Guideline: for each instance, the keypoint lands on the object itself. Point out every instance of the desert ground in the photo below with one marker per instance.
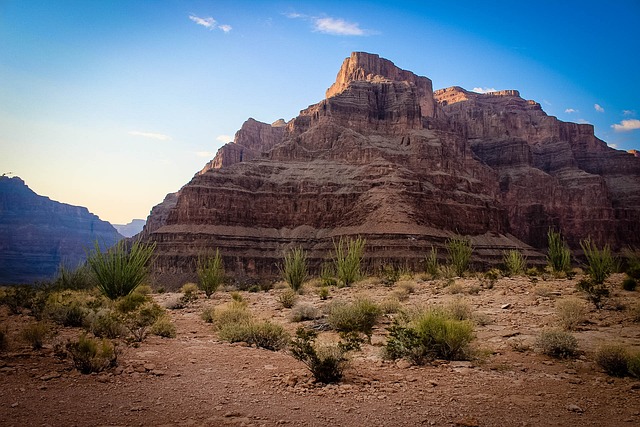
(196, 379)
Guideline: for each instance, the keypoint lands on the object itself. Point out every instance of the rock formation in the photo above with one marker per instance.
(130, 229)
(386, 158)
(37, 234)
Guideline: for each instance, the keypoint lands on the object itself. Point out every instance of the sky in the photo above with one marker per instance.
(113, 104)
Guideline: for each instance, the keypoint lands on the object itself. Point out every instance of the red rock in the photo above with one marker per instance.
(385, 158)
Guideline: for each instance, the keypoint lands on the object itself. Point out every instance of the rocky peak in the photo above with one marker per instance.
(362, 66)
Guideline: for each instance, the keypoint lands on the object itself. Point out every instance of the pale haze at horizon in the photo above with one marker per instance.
(112, 105)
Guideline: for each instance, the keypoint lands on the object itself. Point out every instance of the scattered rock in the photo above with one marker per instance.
(575, 408)
(50, 376)
(505, 306)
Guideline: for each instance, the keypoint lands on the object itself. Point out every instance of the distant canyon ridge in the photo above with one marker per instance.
(386, 158)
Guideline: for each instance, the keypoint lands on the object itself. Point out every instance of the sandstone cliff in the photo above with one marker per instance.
(38, 234)
(386, 158)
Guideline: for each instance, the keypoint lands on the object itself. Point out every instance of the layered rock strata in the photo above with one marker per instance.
(385, 158)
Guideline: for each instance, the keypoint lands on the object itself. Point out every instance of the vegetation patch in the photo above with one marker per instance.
(92, 355)
(210, 273)
(359, 316)
(558, 254)
(515, 264)
(295, 270)
(325, 362)
(557, 343)
(571, 313)
(348, 254)
(460, 250)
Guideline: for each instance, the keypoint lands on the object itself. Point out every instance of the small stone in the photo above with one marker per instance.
(575, 408)
(14, 405)
(50, 376)
(403, 364)
(505, 306)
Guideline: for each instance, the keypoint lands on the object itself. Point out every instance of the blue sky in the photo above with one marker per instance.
(113, 104)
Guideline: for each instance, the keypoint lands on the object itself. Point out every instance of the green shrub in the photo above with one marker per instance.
(514, 262)
(288, 298)
(236, 296)
(431, 266)
(629, 284)
(302, 312)
(556, 343)
(358, 316)
(327, 275)
(267, 335)
(105, 324)
(458, 309)
(189, 293)
(427, 335)
(571, 312)
(145, 290)
(210, 273)
(460, 250)
(632, 258)
(131, 302)
(92, 355)
(230, 313)
(163, 327)
(326, 363)
(390, 305)
(323, 293)
(34, 334)
(558, 255)
(208, 314)
(600, 261)
(295, 270)
(18, 298)
(389, 274)
(595, 292)
(348, 255)
(120, 271)
(69, 308)
(140, 320)
(613, 358)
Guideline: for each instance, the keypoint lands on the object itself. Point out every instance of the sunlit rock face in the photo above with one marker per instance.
(37, 234)
(386, 158)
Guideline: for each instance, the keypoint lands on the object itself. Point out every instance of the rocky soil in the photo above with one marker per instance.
(195, 379)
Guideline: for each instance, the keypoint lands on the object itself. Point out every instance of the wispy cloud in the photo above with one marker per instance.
(331, 25)
(483, 89)
(224, 138)
(583, 122)
(626, 125)
(570, 110)
(151, 135)
(210, 23)
(628, 112)
(598, 108)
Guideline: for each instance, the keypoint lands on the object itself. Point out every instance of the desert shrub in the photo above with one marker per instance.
(119, 271)
(69, 308)
(389, 274)
(431, 266)
(406, 286)
(571, 312)
(458, 309)
(325, 362)
(175, 302)
(532, 272)
(131, 302)
(35, 333)
(600, 262)
(267, 335)
(105, 324)
(74, 279)
(427, 335)
(327, 275)
(210, 273)
(633, 365)
(595, 292)
(454, 287)
(163, 327)
(514, 262)
(632, 258)
(92, 355)
(348, 255)
(358, 316)
(390, 305)
(237, 296)
(301, 312)
(288, 298)
(635, 313)
(230, 313)
(558, 254)
(295, 270)
(460, 250)
(141, 319)
(208, 314)
(17, 298)
(556, 343)
(613, 358)
(629, 284)
(189, 293)
(323, 293)
(144, 289)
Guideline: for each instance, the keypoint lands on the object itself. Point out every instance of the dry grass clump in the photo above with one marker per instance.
(304, 311)
(359, 316)
(288, 298)
(390, 305)
(571, 313)
(163, 327)
(557, 343)
(35, 333)
(613, 358)
(92, 355)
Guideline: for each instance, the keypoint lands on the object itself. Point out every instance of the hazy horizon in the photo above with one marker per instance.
(112, 105)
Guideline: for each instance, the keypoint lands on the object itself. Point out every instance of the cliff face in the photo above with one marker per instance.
(38, 234)
(386, 158)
